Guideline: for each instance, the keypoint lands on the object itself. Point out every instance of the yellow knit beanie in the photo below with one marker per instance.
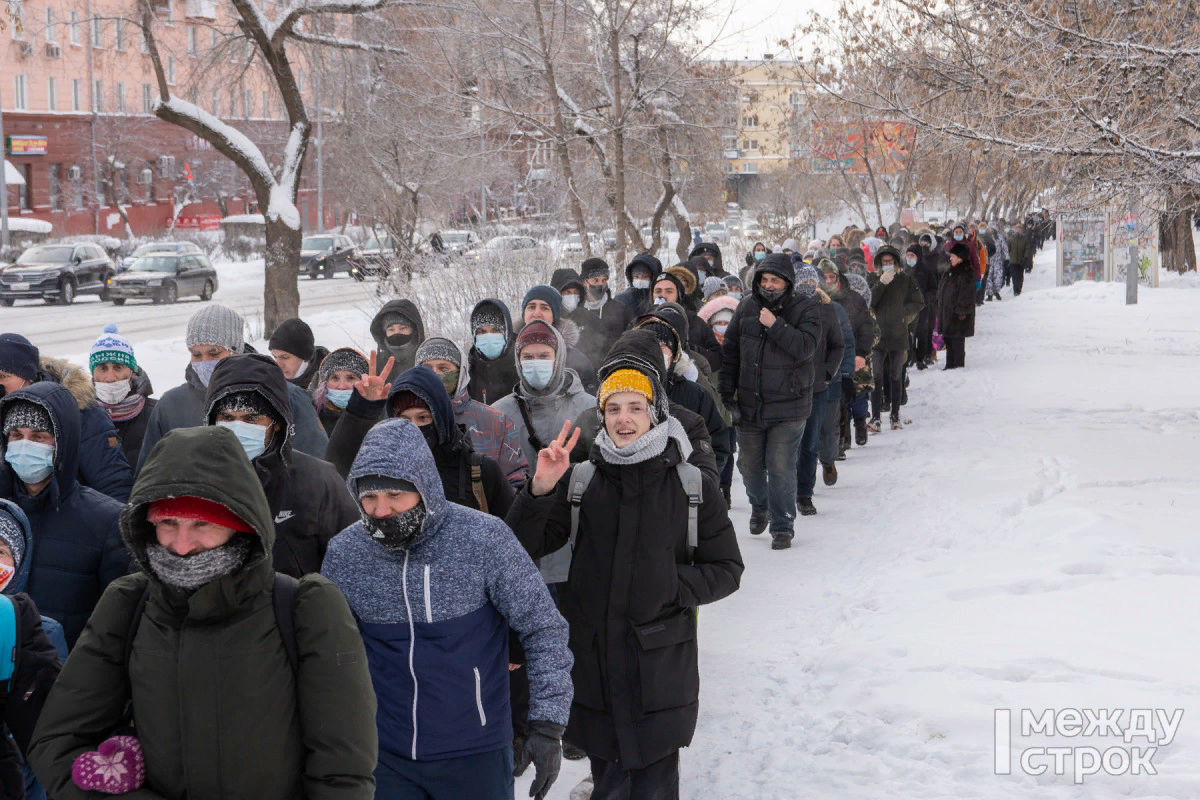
(625, 380)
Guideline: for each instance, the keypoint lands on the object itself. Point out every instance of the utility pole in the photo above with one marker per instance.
(320, 156)
(3, 185)
(1132, 271)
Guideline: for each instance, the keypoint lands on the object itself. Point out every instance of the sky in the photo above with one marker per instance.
(750, 28)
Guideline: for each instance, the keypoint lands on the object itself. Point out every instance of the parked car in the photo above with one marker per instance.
(327, 254)
(164, 278)
(715, 232)
(376, 257)
(458, 242)
(57, 273)
(573, 247)
(510, 248)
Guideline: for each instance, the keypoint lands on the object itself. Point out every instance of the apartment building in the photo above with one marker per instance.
(764, 115)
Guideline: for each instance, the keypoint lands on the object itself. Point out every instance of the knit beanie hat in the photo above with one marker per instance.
(196, 508)
(18, 356)
(662, 331)
(673, 279)
(111, 348)
(343, 359)
(295, 337)
(247, 402)
(487, 315)
(537, 332)
(217, 325)
(594, 268)
(12, 535)
(403, 401)
(712, 285)
(368, 484)
(625, 380)
(549, 295)
(807, 273)
(733, 280)
(438, 347)
(27, 414)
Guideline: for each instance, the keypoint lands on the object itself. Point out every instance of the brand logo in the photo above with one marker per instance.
(284, 516)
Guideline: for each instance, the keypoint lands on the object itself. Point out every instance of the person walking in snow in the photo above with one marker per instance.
(896, 301)
(240, 683)
(921, 267)
(435, 587)
(122, 389)
(639, 274)
(1020, 255)
(545, 303)
(336, 376)
(956, 306)
(490, 360)
(295, 350)
(641, 569)
(615, 317)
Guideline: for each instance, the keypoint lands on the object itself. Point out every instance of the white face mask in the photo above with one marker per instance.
(112, 393)
(570, 302)
(641, 283)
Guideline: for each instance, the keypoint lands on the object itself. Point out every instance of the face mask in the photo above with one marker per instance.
(735, 295)
(252, 438)
(721, 328)
(701, 275)
(596, 292)
(667, 361)
(431, 435)
(759, 255)
(912, 262)
(889, 267)
(958, 237)
(32, 461)
(771, 297)
(490, 345)
(112, 393)
(641, 283)
(658, 301)
(396, 532)
(450, 381)
(538, 373)
(339, 397)
(570, 302)
(204, 371)
(6, 575)
(399, 339)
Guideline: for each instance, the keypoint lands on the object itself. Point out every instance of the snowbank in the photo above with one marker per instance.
(29, 225)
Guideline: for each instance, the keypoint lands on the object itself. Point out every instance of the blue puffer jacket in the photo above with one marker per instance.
(435, 616)
(77, 549)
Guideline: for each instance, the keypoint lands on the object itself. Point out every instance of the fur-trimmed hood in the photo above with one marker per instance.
(570, 331)
(725, 303)
(73, 378)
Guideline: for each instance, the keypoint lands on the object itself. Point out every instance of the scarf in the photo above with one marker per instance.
(127, 409)
(192, 572)
(650, 445)
(596, 305)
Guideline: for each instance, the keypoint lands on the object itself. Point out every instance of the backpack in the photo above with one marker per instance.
(689, 475)
(10, 641)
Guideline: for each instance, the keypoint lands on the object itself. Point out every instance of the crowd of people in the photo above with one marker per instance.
(417, 571)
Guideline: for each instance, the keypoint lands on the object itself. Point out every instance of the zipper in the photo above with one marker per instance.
(428, 609)
(479, 698)
(412, 642)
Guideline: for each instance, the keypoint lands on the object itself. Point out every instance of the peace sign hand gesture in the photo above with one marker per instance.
(554, 461)
(373, 386)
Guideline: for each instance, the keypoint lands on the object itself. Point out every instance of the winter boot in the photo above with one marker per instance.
(758, 520)
(841, 456)
(829, 474)
(780, 541)
(860, 432)
(874, 426)
(989, 298)
(725, 491)
(807, 509)
(997, 295)
(897, 425)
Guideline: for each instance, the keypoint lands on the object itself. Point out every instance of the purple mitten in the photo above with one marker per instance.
(116, 767)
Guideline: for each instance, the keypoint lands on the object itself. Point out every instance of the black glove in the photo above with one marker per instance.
(542, 748)
(735, 414)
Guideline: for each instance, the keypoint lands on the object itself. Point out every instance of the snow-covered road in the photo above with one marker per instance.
(1029, 542)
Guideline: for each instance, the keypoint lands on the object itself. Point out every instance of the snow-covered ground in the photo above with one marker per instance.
(1027, 543)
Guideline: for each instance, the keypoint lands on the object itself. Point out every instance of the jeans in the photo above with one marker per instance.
(485, 776)
(657, 781)
(831, 425)
(727, 471)
(768, 465)
(956, 350)
(806, 463)
(894, 362)
(858, 404)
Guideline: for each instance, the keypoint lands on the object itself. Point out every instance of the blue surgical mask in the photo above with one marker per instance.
(735, 295)
(32, 461)
(958, 237)
(252, 438)
(204, 371)
(339, 397)
(721, 328)
(759, 255)
(658, 301)
(701, 275)
(490, 345)
(538, 372)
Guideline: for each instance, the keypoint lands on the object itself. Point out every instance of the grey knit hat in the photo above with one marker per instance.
(712, 285)
(12, 535)
(217, 325)
(438, 347)
(27, 414)
(343, 359)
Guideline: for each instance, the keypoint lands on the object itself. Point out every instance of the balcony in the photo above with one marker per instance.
(732, 152)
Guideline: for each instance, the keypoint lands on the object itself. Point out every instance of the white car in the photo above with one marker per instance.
(459, 242)
(715, 232)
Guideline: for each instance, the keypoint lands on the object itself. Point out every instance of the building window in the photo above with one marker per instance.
(54, 182)
(20, 101)
(120, 90)
(97, 33)
(797, 100)
(729, 166)
(147, 99)
(266, 105)
(50, 26)
(98, 97)
(170, 13)
(171, 70)
(216, 103)
(749, 167)
(750, 121)
(119, 25)
(213, 31)
(247, 103)
(52, 93)
(233, 101)
(16, 22)
(192, 41)
(74, 27)
(25, 191)
(194, 96)
(77, 94)
(75, 175)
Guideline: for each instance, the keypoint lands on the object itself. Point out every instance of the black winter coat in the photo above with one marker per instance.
(696, 398)
(35, 669)
(955, 297)
(860, 319)
(702, 339)
(631, 601)
(615, 318)
(924, 273)
(770, 370)
(307, 497)
(827, 363)
(895, 304)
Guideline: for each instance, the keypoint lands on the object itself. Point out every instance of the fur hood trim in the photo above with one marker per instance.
(726, 303)
(570, 331)
(822, 296)
(683, 365)
(73, 378)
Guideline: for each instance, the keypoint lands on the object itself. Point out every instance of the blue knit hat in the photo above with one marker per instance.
(18, 356)
(546, 293)
(111, 348)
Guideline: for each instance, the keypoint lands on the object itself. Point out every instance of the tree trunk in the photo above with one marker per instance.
(281, 292)
(684, 245)
(614, 46)
(1175, 231)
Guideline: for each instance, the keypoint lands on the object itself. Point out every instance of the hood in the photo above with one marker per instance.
(21, 577)
(408, 309)
(638, 349)
(565, 277)
(557, 379)
(76, 381)
(776, 264)
(887, 250)
(64, 417)
(253, 373)
(725, 303)
(504, 312)
(395, 448)
(674, 315)
(427, 385)
(918, 251)
(570, 330)
(141, 383)
(206, 462)
(712, 249)
(649, 261)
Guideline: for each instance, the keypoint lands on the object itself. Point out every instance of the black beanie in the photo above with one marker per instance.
(18, 356)
(295, 337)
(594, 268)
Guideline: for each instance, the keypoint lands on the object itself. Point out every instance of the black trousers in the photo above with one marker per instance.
(1018, 280)
(888, 368)
(657, 781)
(956, 351)
(924, 333)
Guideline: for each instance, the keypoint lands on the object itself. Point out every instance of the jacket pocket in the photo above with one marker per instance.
(586, 674)
(668, 662)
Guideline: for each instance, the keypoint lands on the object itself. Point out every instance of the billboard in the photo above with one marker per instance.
(847, 146)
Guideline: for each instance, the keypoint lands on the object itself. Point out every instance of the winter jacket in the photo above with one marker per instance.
(831, 346)
(184, 407)
(435, 615)
(955, 297)
(768, 372)
(982, 250)
(217, 707)
(404, 353)
(615, 318)
(453, 455)
(631, 600)
(492, 378)
(846, 369)
(717, 267)
(576, 360)
(895, 304)
(493, 435)
(102, 462)
(635, 299)
(866, 331)
(1019, 251)
(77, 539)
(306, 380)
(308, 500)
(924, 273)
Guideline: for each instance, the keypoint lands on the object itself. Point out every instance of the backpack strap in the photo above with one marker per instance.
(8, 640)
(581, 475)
(284, 597)
(533, 437)
(693, 483)
(134, 622)
(477, 481)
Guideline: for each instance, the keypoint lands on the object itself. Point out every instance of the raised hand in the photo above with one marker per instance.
(373, 386)
(554, 461)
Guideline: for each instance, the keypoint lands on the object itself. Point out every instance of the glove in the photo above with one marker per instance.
(887, 276)
(735, 414)
(542, 748)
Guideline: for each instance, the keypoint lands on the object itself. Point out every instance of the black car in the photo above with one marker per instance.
(328, 254)
(164, 278)
(57, 273)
